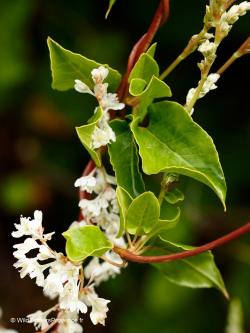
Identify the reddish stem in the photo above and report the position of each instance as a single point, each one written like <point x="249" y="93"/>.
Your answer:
<point x="125" y="254"/>
<point x="160" y="17"/>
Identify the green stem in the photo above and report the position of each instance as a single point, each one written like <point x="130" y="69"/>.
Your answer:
<point x="228" y="63"/>
<point x="164" y="187"/>
<point x="172" y="66"/>
<point x="242" y="50"/>
<point x="198" y="90"/>
<point x="190" y="48"/>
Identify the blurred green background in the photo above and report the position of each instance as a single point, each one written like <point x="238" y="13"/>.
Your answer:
<point x="41" y="156"/>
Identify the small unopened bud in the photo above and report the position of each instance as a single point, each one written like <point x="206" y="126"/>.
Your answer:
<point x="207" y="48"/>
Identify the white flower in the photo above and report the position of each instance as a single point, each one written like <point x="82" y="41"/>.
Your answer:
<point x="207" y="48"/>
<point x="99" y="272"/>
<point x="82" y="88"/>
<point x="30" y="266"/>
<point x="244" y="7"/>
<point x="208" y="35"/>
<point x="225" y="27"/>
<point x="99" y="310"/>
<point x="39" y="318"/>
<point x="60" y="272"/>
<point x="102" y="136"/>
<point x="45" y="253"/>
<point x="103" y="133"/>
<point x="86" y="183"/>
<point x="23" y="248"/>
<point x="69" y="299"/>
<point x="28" y="227"/>
<point x="235" y="11"/>
<point x="190" y="95"/>
<point x="100" y="91"/>
<point x="101" y="182"/>
<point x="208" y="85"/>
<point x="111" y="102"/>
<point x="109" y="194"/>
<point x="99" y="74"/>
<point x="115" y="207"/>
<point x="67" y="323"/>
<point x="90" y="207"/>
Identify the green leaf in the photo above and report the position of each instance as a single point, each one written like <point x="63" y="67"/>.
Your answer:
<point x="137" y="86"/>
<point x="195" y="272"/>
<point x="67" y="66"/>
<point x="111" y="4"/>
<point x="151" y="50"/>
<point x="142" y="214"/>
<point x="174" y="196"/>
<point x="125" y="160"/>
<point x="86" y="241"/>
<point x="124" y="200"/>
<point x="155" y="89"/>
<point x="144" y="68"/>
<point x="173" y="142"/>
<point x="85" y="133"/>
<point x="165" y="224"/>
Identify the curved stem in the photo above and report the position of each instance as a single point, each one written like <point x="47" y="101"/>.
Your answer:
<point x="125" y="254"/>
<point x="160" y="17"/>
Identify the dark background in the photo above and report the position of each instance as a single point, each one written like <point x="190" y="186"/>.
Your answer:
<point x="41" y="155"/>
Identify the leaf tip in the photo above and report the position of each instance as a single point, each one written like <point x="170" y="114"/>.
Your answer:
<point x="107" y="14"/>
<point x="225" y="294"/>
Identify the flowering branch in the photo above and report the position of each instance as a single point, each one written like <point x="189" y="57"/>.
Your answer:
<point x="125" y="254"/>
<point x="118" y="214"/>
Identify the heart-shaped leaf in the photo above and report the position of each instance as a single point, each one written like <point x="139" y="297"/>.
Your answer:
<point x="67" y="66"/>
<point x="85" y="241"/>
<point x="155" y="89"/>
<point x="142" y="214"/>
<point x="144" y="68"/>
<point x="173" y="142"/>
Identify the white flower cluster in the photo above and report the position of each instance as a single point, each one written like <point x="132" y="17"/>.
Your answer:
<point x="103" y="133"/>
<point x="207" y="48"/>
<point x="59" y="277"/>
<point x="208" y="85"/>
<point x="232" y="15"/>
<point x="228" y="18"/>
<point x="102" y="209"/>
